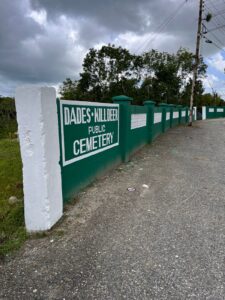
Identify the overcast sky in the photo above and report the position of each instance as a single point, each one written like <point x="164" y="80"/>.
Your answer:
<point x="45" y="41"/>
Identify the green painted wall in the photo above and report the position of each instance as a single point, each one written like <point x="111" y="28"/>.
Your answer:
<point x="166" y="116"/>
<point x="183" y="115"/>
<point x="157" y="127"/>
<point x="137" y="136"/>
<point x="214" y="112"/>
<point x="95" y="137"/>
<point x="77" y="174"/>
<point x="175" y="111"/>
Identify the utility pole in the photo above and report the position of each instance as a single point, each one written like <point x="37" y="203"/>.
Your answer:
<point x="195" y="70"/>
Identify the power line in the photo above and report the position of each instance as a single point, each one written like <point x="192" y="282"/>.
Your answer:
<point x="160" y="28"/>
<point x="197" y="58"/>
<point x="213" y="5"/>
<point x="219" y="27"/>
<point x="222" y="30"/>
<point x="212" y="42"/>
<point x="218" y="46"/>
<point x="216" y="28"/>
<point x="218" y="14"/>
<point x="218" y="40"/>
<point x="167" y="23"/>
<point x="209" y="82"/>
<point x="213" y="91"/>
<point x="216" y="9"/>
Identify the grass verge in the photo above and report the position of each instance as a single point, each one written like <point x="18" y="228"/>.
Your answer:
<point x="12" y="229"/>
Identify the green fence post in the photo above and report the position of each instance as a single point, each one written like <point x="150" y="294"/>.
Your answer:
<point x="187" y="114"/>
<point x="180" y="110"/>
<point x="163" y="105"/>
<point x="125" y="123"/>
<point x="171" y="114"/>
<point x="207" y="112"/>
<point x="150" y="118"/>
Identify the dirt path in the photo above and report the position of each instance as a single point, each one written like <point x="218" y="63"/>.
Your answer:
<point x="165" y="240"/>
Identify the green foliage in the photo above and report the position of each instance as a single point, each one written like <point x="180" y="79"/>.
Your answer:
<point x="186" y="94"/>
<point x="8" y="124"/>
<point x="68" y="90"/>
<point x="107" y="70"/>
<point x="12" y="230"/>
<point x="111" y="71"/>
<point x="211" y="100"/>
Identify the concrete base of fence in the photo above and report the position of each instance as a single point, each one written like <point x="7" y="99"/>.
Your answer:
<point x="39" y="143"/>
<point x="203" y="112"/>
<point x="195" y="113"/>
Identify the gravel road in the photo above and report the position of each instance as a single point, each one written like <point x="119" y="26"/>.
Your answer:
<point x="164" y="239"/>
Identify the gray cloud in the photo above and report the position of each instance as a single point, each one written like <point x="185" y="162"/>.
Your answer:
<point x="116" y="15"/>
<point x="31" y="52"/>
<point x="128" y="15"/>
<point x="39" y="49"/>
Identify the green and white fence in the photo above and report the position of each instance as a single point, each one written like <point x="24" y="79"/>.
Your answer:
<point x="213" y="112"/>
<point x="89" y="142"/>
<point x="67" y="144"/>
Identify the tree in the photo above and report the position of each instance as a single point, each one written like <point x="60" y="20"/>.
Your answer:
<point x="107" y="68"/>
<point x="211" y="100"/>
<point x="199" y="90"/>
<point x="8" y="124"/>
<point x="68" y="90"/>
<point x="111" y="70"/>
<point x="165" y="75"/>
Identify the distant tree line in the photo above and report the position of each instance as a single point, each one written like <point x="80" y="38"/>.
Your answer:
<point x="8" y="124"/>
<point x="154" y="75"/>
<point x="111" y="71"/>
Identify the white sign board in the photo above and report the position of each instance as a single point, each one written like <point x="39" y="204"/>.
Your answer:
<point x="183" y="113"/>
<point x="157" y="118"/>
<point x="138" y="121"/>
<point x="175" y="115"/>
<point x="167" y="116"/>
<point x="211" y="110"/>
<point x="219" y="109"/>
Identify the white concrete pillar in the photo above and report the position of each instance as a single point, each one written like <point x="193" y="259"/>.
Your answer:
<point x="195" y="113"/>
<point x="39" y="144"/>
<point x="203" y="112"/>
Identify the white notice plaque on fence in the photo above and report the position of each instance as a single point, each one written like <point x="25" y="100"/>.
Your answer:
<point x="167" y="116"/>
<point x="138" y="120"/>
<point x="175" y="115"/>
<point x="211" y="109"/>
<point x="183" y="113"/>
<point x="219" y="109"/>
<point x="157" y="118"/>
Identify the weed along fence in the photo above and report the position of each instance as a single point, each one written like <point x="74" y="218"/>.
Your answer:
<point x="67" y="144"/>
